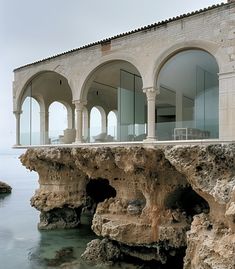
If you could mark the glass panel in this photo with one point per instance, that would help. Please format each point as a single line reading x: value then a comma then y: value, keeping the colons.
x: 190, y: 111
x: 126, y: 103
x: 211, y: 105
x: 57, y: 122
x: 165, y: 113
x: 140, y: 110
x: 132, y: 108
x: 30, y: 122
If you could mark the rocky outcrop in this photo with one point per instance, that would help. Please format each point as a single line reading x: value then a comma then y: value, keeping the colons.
x: 153, y: 201
x: 210, y: 170
x: 5, y: 188
x: 101, y: 252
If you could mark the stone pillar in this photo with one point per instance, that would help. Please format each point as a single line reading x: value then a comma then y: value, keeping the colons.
x: 79, y: 105
x: 151, y: 93
x: 227, y: 106
x: 44, y: 127
x: 17, y: 115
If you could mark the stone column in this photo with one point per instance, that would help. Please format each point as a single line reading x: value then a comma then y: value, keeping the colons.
x: 79, y: 105
x: 227, y: 106
x: 17, y: 115
x: 151, y: 93
x: 44, y: 127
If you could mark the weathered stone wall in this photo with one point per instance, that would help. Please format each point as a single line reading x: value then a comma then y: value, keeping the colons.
x: 167, y: 198
x: 147, y: 50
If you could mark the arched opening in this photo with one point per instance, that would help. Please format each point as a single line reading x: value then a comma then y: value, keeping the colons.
x: 117, y: 86
x: 187, y: 106
x: 47, y: 87
x: 96, y: 134
x: 58, y: 122
x: 30, y: 122
x: 112, y: 124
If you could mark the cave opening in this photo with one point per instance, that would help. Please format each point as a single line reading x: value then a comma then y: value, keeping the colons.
x: 97, y: 190
x: 186, y: 200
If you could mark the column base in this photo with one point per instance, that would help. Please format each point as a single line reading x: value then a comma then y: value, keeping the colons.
x: 16, y: 145
x: 150, y: 139
x: 78, y: 142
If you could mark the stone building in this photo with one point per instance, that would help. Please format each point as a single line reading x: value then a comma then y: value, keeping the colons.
x: 171, y: 80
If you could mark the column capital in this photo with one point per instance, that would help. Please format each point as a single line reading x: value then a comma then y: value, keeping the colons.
x: 151, y: 92
x: 79, y: 104
x: 17, y: 113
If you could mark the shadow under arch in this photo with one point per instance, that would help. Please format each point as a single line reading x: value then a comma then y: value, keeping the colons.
x: 32, y: 84
x: 117, y: 86
x: 48, y: 87
x: 90, y: 74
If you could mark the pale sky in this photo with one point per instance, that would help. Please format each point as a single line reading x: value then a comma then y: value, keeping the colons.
x: 31, y: 30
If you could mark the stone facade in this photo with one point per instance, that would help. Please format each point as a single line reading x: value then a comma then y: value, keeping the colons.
x: 147, y: 49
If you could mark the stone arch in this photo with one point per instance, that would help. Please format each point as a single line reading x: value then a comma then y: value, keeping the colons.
x: 88, y: 75
x: 112, y: 128
x: 103, y: 117
x: 187, y: 80
x: 69, y: 109
x: 47, y: 87
x: 25, y: 83
x: 206, y: 46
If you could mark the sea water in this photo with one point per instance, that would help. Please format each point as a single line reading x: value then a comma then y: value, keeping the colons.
x: 22, y: 245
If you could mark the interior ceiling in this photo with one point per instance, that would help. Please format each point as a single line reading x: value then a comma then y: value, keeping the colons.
x: 106, y: 81
x: 52, y: 86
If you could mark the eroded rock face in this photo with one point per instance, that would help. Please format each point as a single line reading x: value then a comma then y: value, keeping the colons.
x: 158, y: 193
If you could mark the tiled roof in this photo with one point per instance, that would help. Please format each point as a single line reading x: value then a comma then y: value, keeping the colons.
x: 144, y: 28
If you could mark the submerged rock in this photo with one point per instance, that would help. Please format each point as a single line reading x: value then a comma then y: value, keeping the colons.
x: 62, y: 256
x: 5, y: 188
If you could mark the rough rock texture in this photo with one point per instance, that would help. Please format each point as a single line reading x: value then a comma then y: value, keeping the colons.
x: 159, y: 191
x: 101, y: 252
x: 5, y: 188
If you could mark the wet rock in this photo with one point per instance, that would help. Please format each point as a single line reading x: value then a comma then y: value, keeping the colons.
x: 5, y: 188
x: 101, y: 252
x: 62, y: 218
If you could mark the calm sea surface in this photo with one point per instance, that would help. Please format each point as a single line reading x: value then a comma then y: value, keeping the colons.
x: 22, y: 246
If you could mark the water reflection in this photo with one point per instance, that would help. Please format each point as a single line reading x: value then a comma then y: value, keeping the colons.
x: 61, y: 247
x: 4, y: 197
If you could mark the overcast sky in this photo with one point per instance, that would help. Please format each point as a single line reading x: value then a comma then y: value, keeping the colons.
x: 31, y: 30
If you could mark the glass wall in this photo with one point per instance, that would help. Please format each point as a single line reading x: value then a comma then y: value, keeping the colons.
x: 95, y: 125
x: 187, y: 106
x: 131, y: 108
x: 30, y: 122
x: 58, y: 122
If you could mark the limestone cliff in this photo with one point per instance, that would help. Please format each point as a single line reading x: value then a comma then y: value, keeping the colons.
x: 152, y: 201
